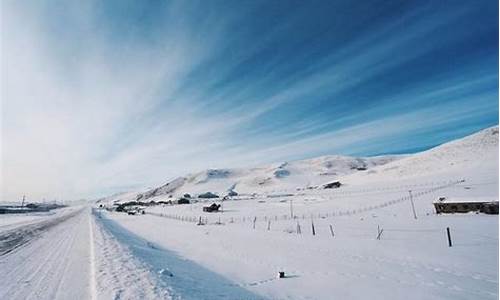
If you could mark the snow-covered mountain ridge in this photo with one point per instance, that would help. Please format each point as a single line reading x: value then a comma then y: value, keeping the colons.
x: 477, y: 150
x: 274, y: 177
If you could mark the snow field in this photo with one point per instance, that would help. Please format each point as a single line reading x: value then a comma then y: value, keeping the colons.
x: 411, y: 260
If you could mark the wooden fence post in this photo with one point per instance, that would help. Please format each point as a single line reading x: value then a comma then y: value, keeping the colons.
x: 331, y: 230
x: 449, y: 236
x: 312, y: 226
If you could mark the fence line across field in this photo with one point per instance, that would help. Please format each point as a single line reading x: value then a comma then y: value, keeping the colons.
x: 286, y: 217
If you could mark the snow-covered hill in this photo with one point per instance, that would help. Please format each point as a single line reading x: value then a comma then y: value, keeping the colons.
x: 476, y: 153
x: 279, y: 177
x: 479, y: 150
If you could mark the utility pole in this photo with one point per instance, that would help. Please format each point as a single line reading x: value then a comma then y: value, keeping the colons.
x: 24, y: 199
x: 291, y: 208
x: 412, y: 205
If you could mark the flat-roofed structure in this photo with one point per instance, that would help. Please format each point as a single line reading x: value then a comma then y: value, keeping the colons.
x: 466, y: 205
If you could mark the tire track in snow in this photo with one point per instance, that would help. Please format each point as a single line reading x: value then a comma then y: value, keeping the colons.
x: 31, y: 273
x: 50, y: 266
x: 17, y: 237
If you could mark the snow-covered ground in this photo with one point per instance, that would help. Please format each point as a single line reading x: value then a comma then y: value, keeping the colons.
x: 366, y: 241
x: 411, y: 260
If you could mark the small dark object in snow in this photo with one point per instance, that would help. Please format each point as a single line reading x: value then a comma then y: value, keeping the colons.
x: 232, y: 193
x: 281, y: 274
x: 212, y: 208
x: 208, y: 195
x: 332, y: 185
x: 183, y: 201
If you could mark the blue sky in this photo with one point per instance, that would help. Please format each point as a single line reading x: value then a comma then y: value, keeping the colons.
x: 103, y: 96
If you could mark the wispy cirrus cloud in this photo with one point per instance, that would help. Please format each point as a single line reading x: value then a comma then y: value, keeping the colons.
x: 99, y: 97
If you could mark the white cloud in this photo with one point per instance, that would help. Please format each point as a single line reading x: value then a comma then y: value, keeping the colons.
x: 100, y: 115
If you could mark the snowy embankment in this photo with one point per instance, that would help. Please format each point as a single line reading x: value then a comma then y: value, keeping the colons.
x: 118, y: 274
x: 171, y: 275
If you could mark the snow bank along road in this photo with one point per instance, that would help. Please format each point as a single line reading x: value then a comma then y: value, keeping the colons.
x: 183, y: 279
x: 81, y: 255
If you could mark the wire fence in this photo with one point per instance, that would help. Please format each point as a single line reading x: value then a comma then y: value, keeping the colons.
x: 204, y: 220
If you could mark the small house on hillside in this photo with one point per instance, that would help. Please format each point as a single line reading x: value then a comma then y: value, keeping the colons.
x: 183, y: 201
x: 232, y: 193
x: 459, y: 205
x: 208, y: 195
x: 332, y: 185
x: 212, y: 208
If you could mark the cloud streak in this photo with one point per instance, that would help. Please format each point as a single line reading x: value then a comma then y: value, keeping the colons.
x: 101, y: 97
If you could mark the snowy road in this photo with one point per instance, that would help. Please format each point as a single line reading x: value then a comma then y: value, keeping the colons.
x: 81, y: 255
x: 51, y: 260
x: 69, y: 256
x: 18, y: 236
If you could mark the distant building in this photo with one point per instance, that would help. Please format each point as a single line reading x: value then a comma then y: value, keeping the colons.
x: 183, y: 201
x: 232, y: 193
x: 208, y: 195
x: 212, y: 208
x: 450, y: 206
x: 332, y: 185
